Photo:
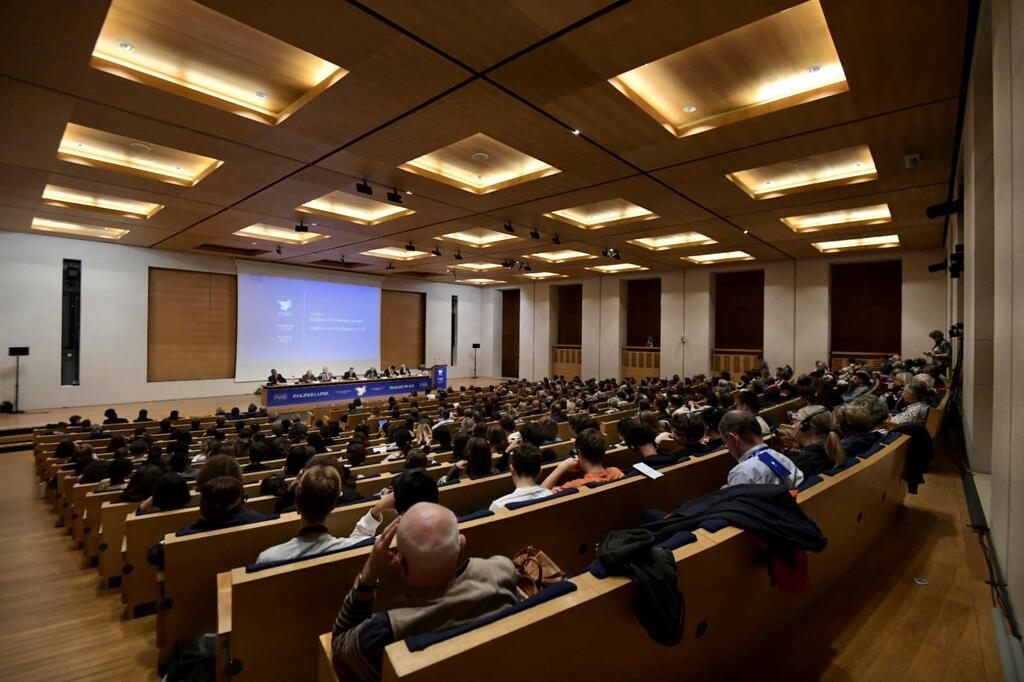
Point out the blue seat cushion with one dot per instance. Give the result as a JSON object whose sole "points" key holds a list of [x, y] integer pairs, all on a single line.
{"points": [[478, 514]]}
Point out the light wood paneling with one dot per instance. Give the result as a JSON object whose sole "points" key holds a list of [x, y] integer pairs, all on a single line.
{"points": [[566, 360], [641, 362], [734, 361], [403, 328], [191, 325]]}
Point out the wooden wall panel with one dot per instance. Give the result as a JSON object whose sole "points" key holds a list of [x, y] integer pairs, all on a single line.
{"points": [[403, 328], [191, 325], [510, 333], [569, 329], [643, 311], [866, 304], [739, 310]]}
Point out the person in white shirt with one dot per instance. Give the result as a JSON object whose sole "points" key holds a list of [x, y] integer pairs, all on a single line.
{"points": [[524, 465], [756, 462]]}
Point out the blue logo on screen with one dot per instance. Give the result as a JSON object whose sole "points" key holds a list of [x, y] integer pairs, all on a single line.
{"points": [[285, 304]]}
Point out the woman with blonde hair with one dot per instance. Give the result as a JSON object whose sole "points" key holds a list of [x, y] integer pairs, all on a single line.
{"points": [[819, 447], [422, 434]]}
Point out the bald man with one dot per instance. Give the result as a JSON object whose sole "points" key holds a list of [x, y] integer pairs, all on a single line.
{"points": [[440, 589]]}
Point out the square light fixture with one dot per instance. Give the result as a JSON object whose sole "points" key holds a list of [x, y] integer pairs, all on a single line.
{"points": [[354, 209], [543, 275], [66, 197], [397, 253], [602, 214], [842, 167], [882, 242], [479, 164], [113, 152], [479, 281], [613, 268], [771, 64], [561, 256], [720, 257], [189, 50], [846, 217], [281, 235], [673, 241], [477, 237], [76, 230], [477, 267]]}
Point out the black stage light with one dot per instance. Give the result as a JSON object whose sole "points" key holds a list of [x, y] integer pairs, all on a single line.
{"points": [[509, 228], [556, 239], [278, 249], [301, 227], [363, 187], [391, 266], [534, 234], [410, 246], [458, 255], [394, 196], [528, 268], [436, 251]]}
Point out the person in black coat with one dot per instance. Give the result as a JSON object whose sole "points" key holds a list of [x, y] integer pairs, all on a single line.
{"points": [[276, 378]]}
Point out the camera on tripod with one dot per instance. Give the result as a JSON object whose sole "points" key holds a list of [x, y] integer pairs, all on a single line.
{"points": [[956, 331]]}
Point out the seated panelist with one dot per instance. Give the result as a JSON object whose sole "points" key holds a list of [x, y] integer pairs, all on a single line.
{"points": [[276, 378], [350, 374], [325, 375], [308, 377], [372, 373]]}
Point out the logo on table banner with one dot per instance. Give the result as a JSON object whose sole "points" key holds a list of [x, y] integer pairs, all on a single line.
{"points": [[360, 391], [285, 304]]}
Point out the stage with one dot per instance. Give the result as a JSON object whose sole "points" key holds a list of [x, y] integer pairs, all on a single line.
{"points": [[327, 392]]}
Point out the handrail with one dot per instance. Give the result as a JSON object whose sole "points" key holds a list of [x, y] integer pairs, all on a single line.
{"points": [[652, 349], [567, 346], [862, 353], [737, 350]]}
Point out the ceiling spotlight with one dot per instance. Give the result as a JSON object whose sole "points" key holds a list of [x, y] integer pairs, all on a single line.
{"points": [[410, 246], [606, 253], [575, 131], [689, 108], [746, 231], [260, 94], [534, 234], [509, 228], [278, 249], [391, 266], [520, 265], [617, 256], [556, 239], [341, 258], [436, 251], [528, 268], [394, 196], [458, 255], [363, 187], [409, 192], [128, 47], [301, 227]]}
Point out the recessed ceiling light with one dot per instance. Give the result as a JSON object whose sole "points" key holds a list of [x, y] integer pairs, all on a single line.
{"points": [[354, 208], [60, 227], [397, 253], [481, 156], [846, 217], [479, 281], [109, 151], [451, 165], [543, 275], [228, 73], [767, 82], [689, 108], [617, 267], [66, 197], [830, 169], [881, 242], [720, 257], [281, 235], [478, 237], [602, 214], [561, 256], [673, 241], [477, 267], [575, 131]]}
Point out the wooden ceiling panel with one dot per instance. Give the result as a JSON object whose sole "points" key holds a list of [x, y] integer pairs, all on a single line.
{"points": [[925, 130], [478, 108], [481, 34], [18, 219], [886, 70]]}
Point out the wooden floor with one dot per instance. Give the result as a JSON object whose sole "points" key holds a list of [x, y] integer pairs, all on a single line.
{"points": [[159, 409], [56, 624]]}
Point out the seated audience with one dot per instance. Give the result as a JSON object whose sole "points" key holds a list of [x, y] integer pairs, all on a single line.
{"points": [[860, 384], [590, 447], [818, 446], [258, 451], [119, 470], [525, 467], [143, 416], [915, 404], [140, 485], [111, 417], [441, 589], [169, 492], [855, 423], [755, 461]]}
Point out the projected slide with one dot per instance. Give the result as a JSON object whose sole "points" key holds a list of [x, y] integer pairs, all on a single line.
{"points": [[298, 324]]}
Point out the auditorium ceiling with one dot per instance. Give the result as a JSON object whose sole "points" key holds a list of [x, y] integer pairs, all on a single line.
{"points": [[435, 139]]}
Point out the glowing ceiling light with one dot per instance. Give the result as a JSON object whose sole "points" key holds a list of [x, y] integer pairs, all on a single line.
{"points": [[480, 281], [602, 214], [76, 230], [721, 257], [479, 164], [561, 256], [480, 238], [617, 267], [476, 267], [66, 197], [281, 235], [397, 253], [837, 168], [847, 217], [354, 209], [673, 241], [543, 275], [883, 242]]}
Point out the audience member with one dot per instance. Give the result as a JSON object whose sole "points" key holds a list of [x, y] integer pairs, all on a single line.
{"points": [[525, 467], [755, 461], [590, 446]]}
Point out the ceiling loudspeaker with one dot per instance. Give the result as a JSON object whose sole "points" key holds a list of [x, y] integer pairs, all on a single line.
{"points": [[948, 208]]}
